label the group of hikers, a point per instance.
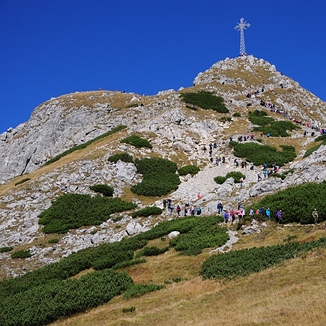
(228, 215)
(187, 209)
(284, 113)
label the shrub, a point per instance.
(297, 203)
(137, 290)
(137, 141)
(105, 190)
(188, 169)
(205, 100)
(159, 177)
(260, 154)
(202, 233)
(55, 240)
(147, 211)
(131, 309)
(235, 175)
(236, 115)
(6, 249)
(71, 211)
(81, 146)
(22, 181)
(21, 254)
(219, 179)
(124, 157)
(268, 125)
(247, 261)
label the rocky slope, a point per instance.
(175, 132)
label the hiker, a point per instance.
(226, 217)
(198, 210)
(164, 203)
(241, 182)
(185, 211)
(315, 215)
(251, 211)
(219, 208)
(279, 216)
(268, 213)
(178, 209)
(239, 213)
(259, 176)
(232, 215)
(171, 209)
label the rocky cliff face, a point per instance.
(175, 131)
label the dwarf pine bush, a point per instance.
(205, 100)
(136, 141)
(188, 169)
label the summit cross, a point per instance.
(241, 27)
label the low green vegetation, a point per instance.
(71, 211)
(268, 125)
(297, 203)
(243, 262)
(54, 240)
(136, 141)
(204, 233)
(159, 177)
(52, 291)
(124, 157)
(6, 249)
(22, 181)
(137, 290)
(205, 100)
(152, 251)
(103, 189)
(147, 211)
(233, 174)
(322, 139)
(46, 303)
(84, 145)
(188, 169)
(260, 154)
(21, 254)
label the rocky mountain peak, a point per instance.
(175, 131)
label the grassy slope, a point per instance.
(292, 293)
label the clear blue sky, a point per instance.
(53, 47)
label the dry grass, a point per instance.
(291, 294)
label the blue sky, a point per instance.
(53, 47)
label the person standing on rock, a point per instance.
(219, 208)
(315, 215)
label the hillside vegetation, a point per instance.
(90, 232)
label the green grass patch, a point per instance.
(136, 141)
(71, 211)
(261, 154)
(84, 145)
(159, 177)
(205, 100)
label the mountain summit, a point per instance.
(180, 131)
